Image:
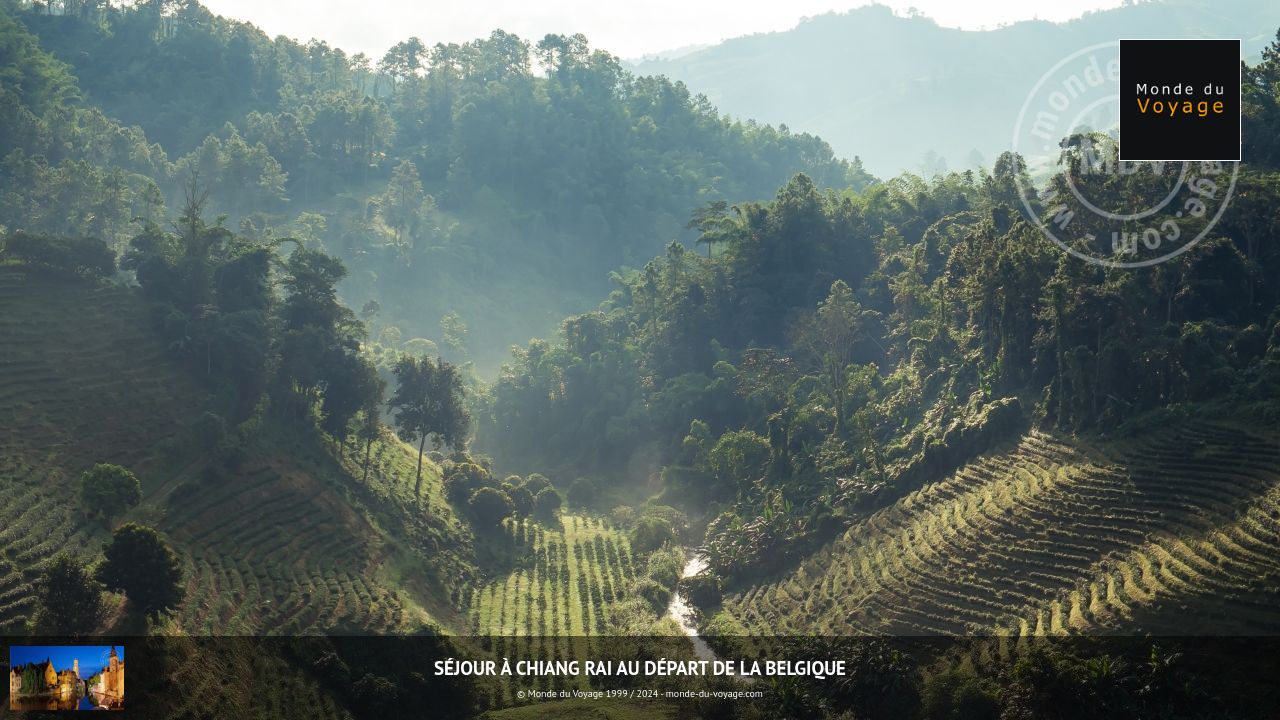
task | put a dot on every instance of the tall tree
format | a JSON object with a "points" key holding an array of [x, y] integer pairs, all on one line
{"points": [[320, 342], [70, 598], [713, 223], [352, 384], [140, 564], [404, 204], [109, 490], [404, 59], [829, 336], [370, 424], [428, 403]]}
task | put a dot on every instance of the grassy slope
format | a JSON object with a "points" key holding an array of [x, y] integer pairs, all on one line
{"points": [[1172, 533]]}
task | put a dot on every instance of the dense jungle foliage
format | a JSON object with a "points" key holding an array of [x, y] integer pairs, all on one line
{"points": [[456, 181], [833, 349]]}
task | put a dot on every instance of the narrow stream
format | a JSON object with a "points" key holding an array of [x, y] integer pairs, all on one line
{"points": [[684, 614]]}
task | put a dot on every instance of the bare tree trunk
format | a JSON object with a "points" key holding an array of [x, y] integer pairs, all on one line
{"points": [[837, 397], [873, 446], [368, 447], [1097, 375], [417, 486]]}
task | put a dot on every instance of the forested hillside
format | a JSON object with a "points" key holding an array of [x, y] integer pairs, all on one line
{"points": [[250, 289], [835, 350], [419, 168]]}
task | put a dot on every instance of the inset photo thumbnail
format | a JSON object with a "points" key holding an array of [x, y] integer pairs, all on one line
{"points": [[66, 677]]}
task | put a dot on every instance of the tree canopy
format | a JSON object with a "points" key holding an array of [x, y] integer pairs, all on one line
{"points": [[70, 598], [140, 564], [428, 403]]}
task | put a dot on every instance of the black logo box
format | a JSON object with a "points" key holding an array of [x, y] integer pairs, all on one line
{"points": [[1185, 64]]}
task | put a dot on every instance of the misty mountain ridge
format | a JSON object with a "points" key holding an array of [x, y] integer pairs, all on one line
{"points": [[935, 89]]}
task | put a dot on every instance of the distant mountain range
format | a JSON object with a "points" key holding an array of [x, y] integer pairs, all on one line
{"points": [[671, 54], [893, 89]]}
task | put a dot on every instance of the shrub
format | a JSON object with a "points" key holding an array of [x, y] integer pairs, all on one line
{"points": [[725, 625], [634, 616], [961, 442], [654, 593], [232, 452], [651, 533], [678, 520], [547, 502], [375, 694], [330, 668], [583, 492], [209, 430], [463, 479], [140, 564], [490, 506], [70, 599], [82, 257], [623, 516], [109, 490], [665, 567], [522, 499], [703, 590], [956, 695], [537, 482], [738, 458]]}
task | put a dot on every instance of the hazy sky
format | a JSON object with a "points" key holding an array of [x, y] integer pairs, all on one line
{"points": [[92, 657], [628, 28]]}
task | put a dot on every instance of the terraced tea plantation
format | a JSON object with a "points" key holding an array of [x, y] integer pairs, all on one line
{"points": [[562, 590], [82, 380], [274, 553], [1051, 539], [271, 549], [271, 688], [553, 606]]}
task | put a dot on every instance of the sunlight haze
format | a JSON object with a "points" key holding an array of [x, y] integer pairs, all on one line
{"points": [[629, 30]]}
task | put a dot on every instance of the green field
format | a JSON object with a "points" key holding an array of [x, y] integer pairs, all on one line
{"points": [[570, 574], [1052, 538], [553, 604]]}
